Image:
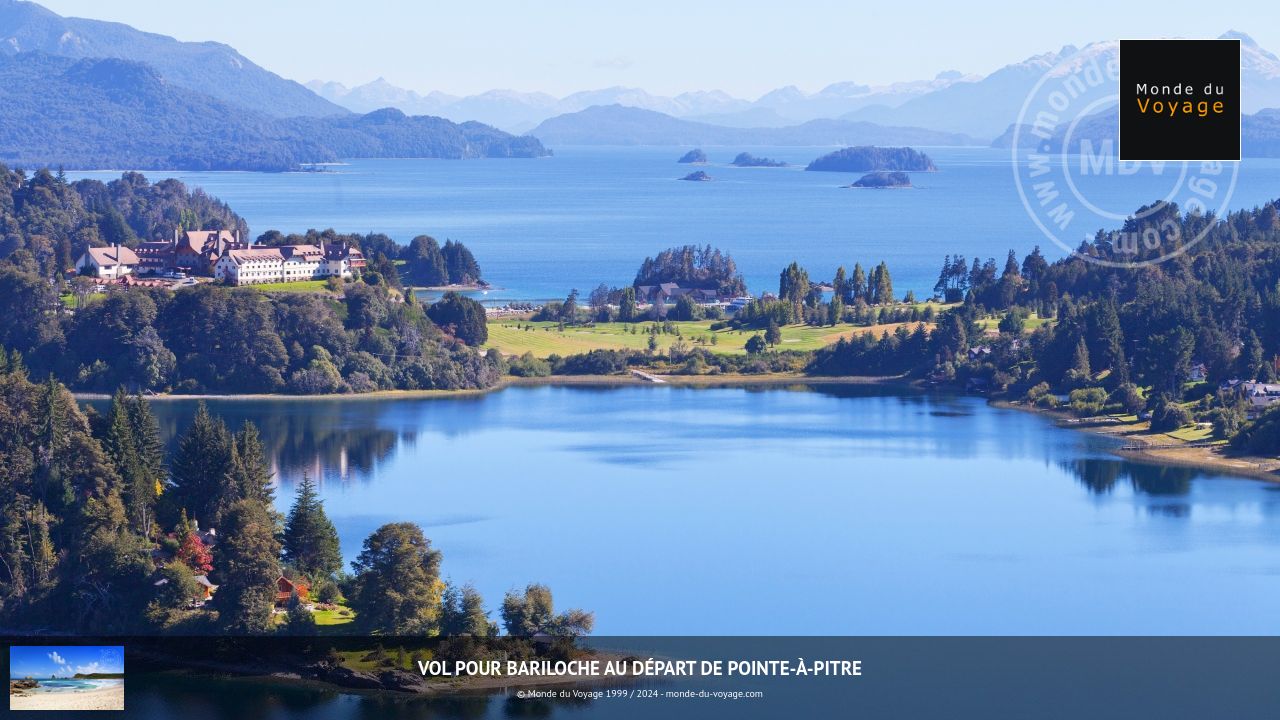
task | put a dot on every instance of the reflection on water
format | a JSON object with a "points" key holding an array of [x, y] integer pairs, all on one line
{"points": [[675, 510], [1100, 475]]}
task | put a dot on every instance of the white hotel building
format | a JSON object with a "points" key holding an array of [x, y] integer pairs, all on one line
{"points": [[287, 263]]}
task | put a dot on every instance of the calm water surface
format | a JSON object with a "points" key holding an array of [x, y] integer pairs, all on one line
{"points": [[782, 511], [590, 215]]}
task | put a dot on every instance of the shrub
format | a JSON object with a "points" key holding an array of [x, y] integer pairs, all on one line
{"points": [[1087, 402]]}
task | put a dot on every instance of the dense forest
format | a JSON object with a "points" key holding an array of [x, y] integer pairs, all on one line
{"points": [[102, 532], [47, 222], [1135, 339], [114, 113], [693, 267]]}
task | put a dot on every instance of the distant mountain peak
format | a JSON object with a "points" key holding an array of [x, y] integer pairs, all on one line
{"points": [[1244, 38], [209, 67]]}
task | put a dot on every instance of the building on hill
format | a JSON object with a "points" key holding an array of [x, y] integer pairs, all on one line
{"points": [[198, 250], [108, 263], [287, 263], [193, 251]]}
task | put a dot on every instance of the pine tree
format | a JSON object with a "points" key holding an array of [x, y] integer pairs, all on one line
{"points": [[252, 472], [858, 284], [138, 473], [310, 540], [1080, 362], [248, 564], [462, 612], [200, 468]]}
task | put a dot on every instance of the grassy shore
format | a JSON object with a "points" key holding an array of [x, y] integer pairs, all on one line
{"points": [[1183, 447], [1180, 447], [516, 337]]}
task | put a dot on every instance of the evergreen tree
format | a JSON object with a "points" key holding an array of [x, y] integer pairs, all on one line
{"points": [[310, 540], [793, 287], [627, 306], [201, 467], [1080, 368], [840, 285], [247, 562], [251, 471], [142, 492], [1249, 363], [857, 284], [462, 612]]}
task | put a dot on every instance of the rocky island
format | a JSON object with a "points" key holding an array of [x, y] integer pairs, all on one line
{"points": [[749, 160], [694, 156], [872, 159], [882, 180], [698, 176]]}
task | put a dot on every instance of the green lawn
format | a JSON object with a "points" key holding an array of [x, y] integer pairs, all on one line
{"points": [[1033, 321], [1191, 433], [510, 337], [334, 617], [295, 286]]}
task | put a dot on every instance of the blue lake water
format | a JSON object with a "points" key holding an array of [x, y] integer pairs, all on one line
{"points": [[837, 510], [590, 215]]}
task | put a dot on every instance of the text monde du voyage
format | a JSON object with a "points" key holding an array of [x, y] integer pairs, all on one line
{"points": [[1180, 99]]}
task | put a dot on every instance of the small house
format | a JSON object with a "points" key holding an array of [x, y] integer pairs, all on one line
{"points": [[206, 587], [286, 588]]}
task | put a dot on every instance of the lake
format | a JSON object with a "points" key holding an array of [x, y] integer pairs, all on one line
{"points": [[590, 215], [830, 510]]}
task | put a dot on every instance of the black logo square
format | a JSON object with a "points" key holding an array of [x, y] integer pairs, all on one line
{"points": [[1179, 99]]}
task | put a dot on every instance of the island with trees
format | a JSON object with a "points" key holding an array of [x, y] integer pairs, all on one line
{"points": [[871, 159], [697, 176], [748, 160], [883, 180], [693, 157]]}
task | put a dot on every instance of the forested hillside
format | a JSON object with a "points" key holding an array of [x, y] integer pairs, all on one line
{"points": [[1133, 338], [107, 113], [207, 67]]}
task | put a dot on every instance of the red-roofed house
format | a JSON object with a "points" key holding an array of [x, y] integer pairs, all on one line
{"points": [[285, 588]]}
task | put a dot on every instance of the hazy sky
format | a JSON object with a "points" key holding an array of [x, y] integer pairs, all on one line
{"points": [[745, 47]]}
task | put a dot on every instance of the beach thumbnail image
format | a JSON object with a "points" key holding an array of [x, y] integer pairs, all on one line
{"points": [[66, 677]]}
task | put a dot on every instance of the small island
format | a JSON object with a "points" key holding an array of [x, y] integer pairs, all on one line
{"points": [[694, 156], [872, 159], [881, 180], [698, 176], [749, 160]]}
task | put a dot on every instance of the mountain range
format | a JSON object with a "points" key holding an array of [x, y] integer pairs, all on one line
{"points": [[112, 113], [209, 68], [620, 125], [978, 106], [521, 111]]}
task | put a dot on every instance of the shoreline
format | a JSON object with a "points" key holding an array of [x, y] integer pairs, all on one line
{"points": [[727, 381], [107, 698], [1177, 453], [1183, 454]]}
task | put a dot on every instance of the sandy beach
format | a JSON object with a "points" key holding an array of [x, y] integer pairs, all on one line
{"points": [[107, 698]]}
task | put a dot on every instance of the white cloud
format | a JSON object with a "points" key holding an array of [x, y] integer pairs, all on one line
{"points": [[54, 656], [93, 667]]}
